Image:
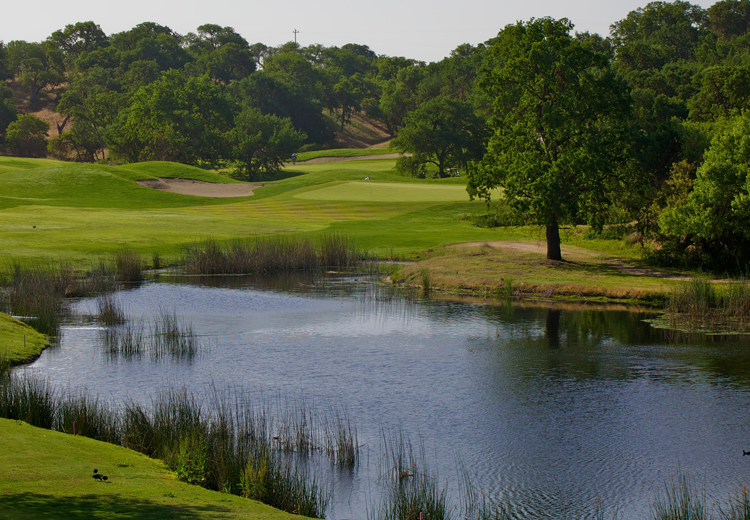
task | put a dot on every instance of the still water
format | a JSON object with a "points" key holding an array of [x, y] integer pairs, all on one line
{"points": [[554, 409]]}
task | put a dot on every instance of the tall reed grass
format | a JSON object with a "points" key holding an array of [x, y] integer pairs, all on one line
{"points": [[270, 254], [701, 304], [411, 491], [128, 265], [225, 444], [680, 500], [38, 290], [109, 311]]}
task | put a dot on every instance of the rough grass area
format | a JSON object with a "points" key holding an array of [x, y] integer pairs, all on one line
{"points": [[521, 269], [12, 345], [48, 474]]}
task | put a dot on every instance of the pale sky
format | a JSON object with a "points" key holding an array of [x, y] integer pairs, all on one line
{"points": [[418, 29]]}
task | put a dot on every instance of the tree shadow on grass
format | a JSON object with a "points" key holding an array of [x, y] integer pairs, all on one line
{"points": [[33, 505]]}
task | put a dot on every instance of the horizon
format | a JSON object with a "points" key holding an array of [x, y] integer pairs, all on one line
{"points": [[389, 31]]}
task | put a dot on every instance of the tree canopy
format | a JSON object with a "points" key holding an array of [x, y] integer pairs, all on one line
{"points": [[558, 113]]}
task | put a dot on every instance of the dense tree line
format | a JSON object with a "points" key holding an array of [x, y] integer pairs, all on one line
{"points": [[645, 127]]}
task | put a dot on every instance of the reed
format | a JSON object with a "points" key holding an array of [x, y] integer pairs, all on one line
{"points": [[426, 278], [128, 341], [341, 441], [83, 414], [155, 260], [738, 507], [338, 251], [173, 337], [411, 491], [109, 311], [680, 501], [701, 304], [128, 266], [37, 293], [25, 397], [270, 254]]}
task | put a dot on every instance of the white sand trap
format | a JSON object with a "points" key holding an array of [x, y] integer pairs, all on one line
{"points": [[201, 188]]}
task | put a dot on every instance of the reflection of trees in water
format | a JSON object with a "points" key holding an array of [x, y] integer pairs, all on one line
{"points": [[614, 344]]}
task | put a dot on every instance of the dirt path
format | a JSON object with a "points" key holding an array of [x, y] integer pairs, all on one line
{"points": [[576, 253], [200, 188]]}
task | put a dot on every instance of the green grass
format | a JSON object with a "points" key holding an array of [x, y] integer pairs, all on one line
{"points": [[86, 211], [48, 474], [12, 344], [361, 191], [344, 152]]}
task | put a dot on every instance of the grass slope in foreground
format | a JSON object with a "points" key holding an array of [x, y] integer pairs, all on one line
{"points": [[19, 343], [46, 474]]}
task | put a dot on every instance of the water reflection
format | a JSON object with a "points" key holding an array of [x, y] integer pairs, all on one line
{"points": [[552, 406]]}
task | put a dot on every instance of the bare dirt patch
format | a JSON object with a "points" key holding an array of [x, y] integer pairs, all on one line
{"points": [[201, 188]]}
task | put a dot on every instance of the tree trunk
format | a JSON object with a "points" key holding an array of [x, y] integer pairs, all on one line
{"points": [[553, 241]]}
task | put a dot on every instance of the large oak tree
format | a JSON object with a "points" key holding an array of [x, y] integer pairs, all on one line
{"points": [[558, 115]]}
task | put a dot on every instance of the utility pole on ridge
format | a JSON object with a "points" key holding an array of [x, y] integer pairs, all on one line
{"points": [[296, 32]]}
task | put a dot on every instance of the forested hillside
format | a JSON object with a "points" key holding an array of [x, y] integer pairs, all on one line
{"points": [[641, 130]]}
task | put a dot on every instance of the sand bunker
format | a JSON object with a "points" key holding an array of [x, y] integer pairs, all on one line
{"points": [[200, 188]]}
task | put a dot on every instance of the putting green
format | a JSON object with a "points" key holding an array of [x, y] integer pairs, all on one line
{"points": [[361, 191]]}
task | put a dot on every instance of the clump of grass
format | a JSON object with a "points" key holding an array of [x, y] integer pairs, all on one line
{"points": [[738, 506], [426, 278], [341, 441], [166, 336], [109, 311], [269, 254], [680, 501], [245, 256], [701, 304], [172, 337], [128, 341], [24, 397], [37, 292], [91, 417], [128, 266], [338, 251], [410, 490]]}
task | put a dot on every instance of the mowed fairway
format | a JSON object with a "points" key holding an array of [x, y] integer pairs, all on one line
{"points": [[77, 212], [361, 191]]}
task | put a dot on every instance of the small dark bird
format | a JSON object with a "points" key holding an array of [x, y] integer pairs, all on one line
{"points": [[104, 477], [745, 453], [97, 477], [96, 470]]}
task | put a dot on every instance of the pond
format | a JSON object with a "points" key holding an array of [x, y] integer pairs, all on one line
{"points": [[553, 408]]}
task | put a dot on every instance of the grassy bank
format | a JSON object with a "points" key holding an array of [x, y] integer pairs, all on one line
{"points": [[520, 269], [49, 474], [19, 343]]}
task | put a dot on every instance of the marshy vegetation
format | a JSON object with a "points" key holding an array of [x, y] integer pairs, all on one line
{"points": [[706, 306], [165, 336], [271, 254], [37, 291], [224, 442]]}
